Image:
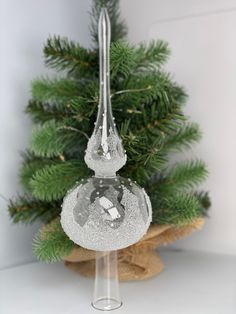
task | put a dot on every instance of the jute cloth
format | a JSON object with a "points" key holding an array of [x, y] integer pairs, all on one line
{"points": [[138, 261]]}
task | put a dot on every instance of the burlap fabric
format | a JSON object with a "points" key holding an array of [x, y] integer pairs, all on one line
{"points": [[138, 261]]}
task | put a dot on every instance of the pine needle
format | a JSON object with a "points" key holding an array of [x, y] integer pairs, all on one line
{"points": [[51, 244]]}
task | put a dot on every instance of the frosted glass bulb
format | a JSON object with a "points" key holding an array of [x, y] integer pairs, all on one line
{"points": [[105, 212]]}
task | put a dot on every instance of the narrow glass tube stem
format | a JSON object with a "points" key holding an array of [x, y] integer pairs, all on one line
{"points": [[106, 289], [104, 58]]}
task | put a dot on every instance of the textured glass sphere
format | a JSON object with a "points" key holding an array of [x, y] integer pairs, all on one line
{"points": [[106, 214]]}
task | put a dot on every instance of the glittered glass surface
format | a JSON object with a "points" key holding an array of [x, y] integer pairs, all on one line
{"points": [[103, 161], [106, 214]]}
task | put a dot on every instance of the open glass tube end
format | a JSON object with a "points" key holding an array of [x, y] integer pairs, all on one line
{"points": [[106, 304]]}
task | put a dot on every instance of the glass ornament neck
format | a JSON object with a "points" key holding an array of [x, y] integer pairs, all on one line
{"points": [[105, 117], [105, 154], [104, 37]]}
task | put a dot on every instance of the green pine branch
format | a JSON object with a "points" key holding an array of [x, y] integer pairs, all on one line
{"points": [[53, 138], [183, 175], [204, 200], [43, 112], [60, 91], [143, 161], [183, 138], [118, 26], [52, 182], [122, 59], [51, 244], [79, 108], [126, 59], [29, 168], [27, 210], [156, 87], [63, 54], [165, 126], [179, 209], [151, 56]]}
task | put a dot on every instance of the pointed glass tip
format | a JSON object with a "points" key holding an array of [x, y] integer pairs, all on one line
{"points": [[104, 27], [105, 154], [104, 14]]}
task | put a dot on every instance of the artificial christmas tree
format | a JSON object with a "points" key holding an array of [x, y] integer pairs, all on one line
{"points": [[148, 107]]}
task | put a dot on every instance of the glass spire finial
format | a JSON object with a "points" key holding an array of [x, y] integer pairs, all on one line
{"points": [[105, 154], [105, 212]]}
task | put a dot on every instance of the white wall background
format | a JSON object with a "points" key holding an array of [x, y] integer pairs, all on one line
{"points": [[25, 25], [201, 35]]}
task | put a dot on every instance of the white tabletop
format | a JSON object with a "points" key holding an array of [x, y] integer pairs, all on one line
{"points": [[192, 283]]}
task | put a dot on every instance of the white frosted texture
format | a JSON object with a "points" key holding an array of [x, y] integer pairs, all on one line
{"points": [[105, 163], [106, 214]]}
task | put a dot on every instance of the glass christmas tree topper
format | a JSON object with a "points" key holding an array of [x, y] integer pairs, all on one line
{"points": [[105, 212]]}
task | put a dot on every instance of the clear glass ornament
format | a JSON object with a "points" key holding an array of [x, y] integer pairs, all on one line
{"points": [[106, 296], [105, 154], [105, 212]]}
